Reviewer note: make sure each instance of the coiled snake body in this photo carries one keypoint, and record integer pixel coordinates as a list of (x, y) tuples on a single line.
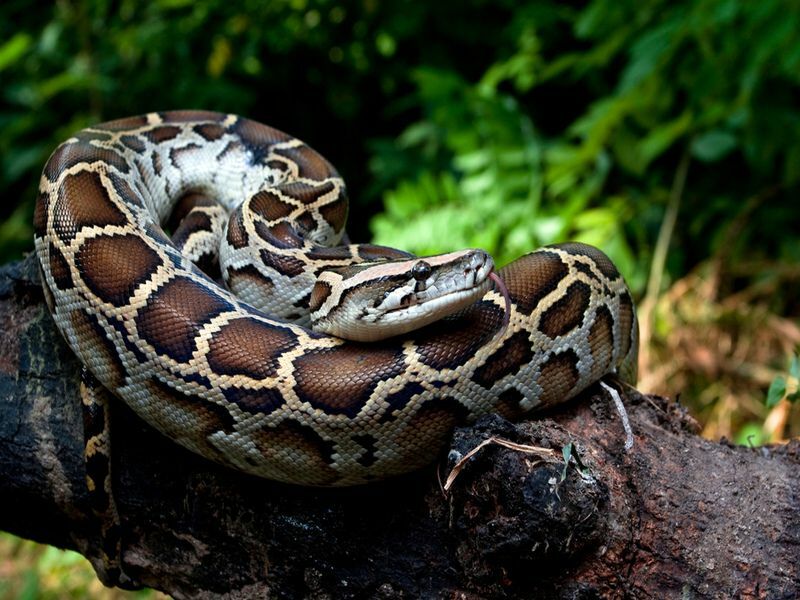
[(262, 394)]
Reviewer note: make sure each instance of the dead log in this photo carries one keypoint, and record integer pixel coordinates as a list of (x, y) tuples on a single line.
[(676, 516)]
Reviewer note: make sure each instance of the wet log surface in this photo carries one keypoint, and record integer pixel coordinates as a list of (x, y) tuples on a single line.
[(676, 516)]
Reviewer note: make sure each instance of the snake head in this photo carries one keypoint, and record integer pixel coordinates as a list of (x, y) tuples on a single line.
[(373, 301)]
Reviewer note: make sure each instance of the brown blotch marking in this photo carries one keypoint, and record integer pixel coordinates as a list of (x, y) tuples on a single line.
[(602, 261), (187, 116), (601, 340), (59, 268), (566, 313), (252, 274), (162, 133), (428, 431), (209, 131), (134, 142), (184, 206), (230, 147), (264, 232), (277, 165), (341, 380), (627, 318), (201, 418), (281, 235), (114, 266), (558, 376), (304, 192), (97, 470), (156, 233), (155, 158), (69, 154), (310, 164), (125, 191), (263, 401), (142, 171), (530, 278), (123, 335), (237, 235), (176, 155), (369, 443), (335, 212), (126, 123), (515, 352), (373, 253), (324, 253), (285, 265), (319, 293), (83, 201), (451, 342), (249, 347), (306, 223), (175, 314), (107, 364), (93, 135), (586, 270), (270, 205), (40, 214), (302, 303), (310, 458), (509, 404), (400, 399), (93, 409), (257, 136), (194, 222)]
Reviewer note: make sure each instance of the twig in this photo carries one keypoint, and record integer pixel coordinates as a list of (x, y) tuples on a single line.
[(648, 304), (626, 424), (500, 442)]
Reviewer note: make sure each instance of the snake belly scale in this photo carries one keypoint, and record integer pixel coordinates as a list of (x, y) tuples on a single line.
[(260, 393)]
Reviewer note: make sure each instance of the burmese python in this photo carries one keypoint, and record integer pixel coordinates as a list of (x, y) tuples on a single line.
[(250, 389)]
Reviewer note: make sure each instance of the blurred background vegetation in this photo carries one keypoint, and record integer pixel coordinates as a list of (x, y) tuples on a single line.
[(665, 132)]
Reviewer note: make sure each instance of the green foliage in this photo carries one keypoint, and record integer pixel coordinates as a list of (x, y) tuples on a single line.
[(522, 124), (323, 71), (751, 434), (578, 135), (37, 572), (783, 387), (502, 125)]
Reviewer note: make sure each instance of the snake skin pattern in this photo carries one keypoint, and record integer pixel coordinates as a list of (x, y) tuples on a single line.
[(259, 393)]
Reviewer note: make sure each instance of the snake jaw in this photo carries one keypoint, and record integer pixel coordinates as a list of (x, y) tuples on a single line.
[(374, 302)]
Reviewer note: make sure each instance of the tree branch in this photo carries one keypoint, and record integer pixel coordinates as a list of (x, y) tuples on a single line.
[(677, 515)]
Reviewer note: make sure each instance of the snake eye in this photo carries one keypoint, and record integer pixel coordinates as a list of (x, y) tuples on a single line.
[(421, 271)]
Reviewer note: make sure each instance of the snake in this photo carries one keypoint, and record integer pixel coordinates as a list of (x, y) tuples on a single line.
[(246, 363)]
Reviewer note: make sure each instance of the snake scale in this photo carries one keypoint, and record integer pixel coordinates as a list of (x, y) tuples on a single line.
[(253, 387)]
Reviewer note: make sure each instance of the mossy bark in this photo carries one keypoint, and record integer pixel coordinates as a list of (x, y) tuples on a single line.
[(676, 516)]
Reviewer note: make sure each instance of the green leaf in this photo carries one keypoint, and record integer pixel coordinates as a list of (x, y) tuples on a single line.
[(751, 434), (662, 137), (713, 145), (777, 390), (13, 49), (566, 452), (794, 367)]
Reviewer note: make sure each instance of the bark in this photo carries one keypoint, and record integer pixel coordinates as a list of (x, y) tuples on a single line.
[(675, 516)]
